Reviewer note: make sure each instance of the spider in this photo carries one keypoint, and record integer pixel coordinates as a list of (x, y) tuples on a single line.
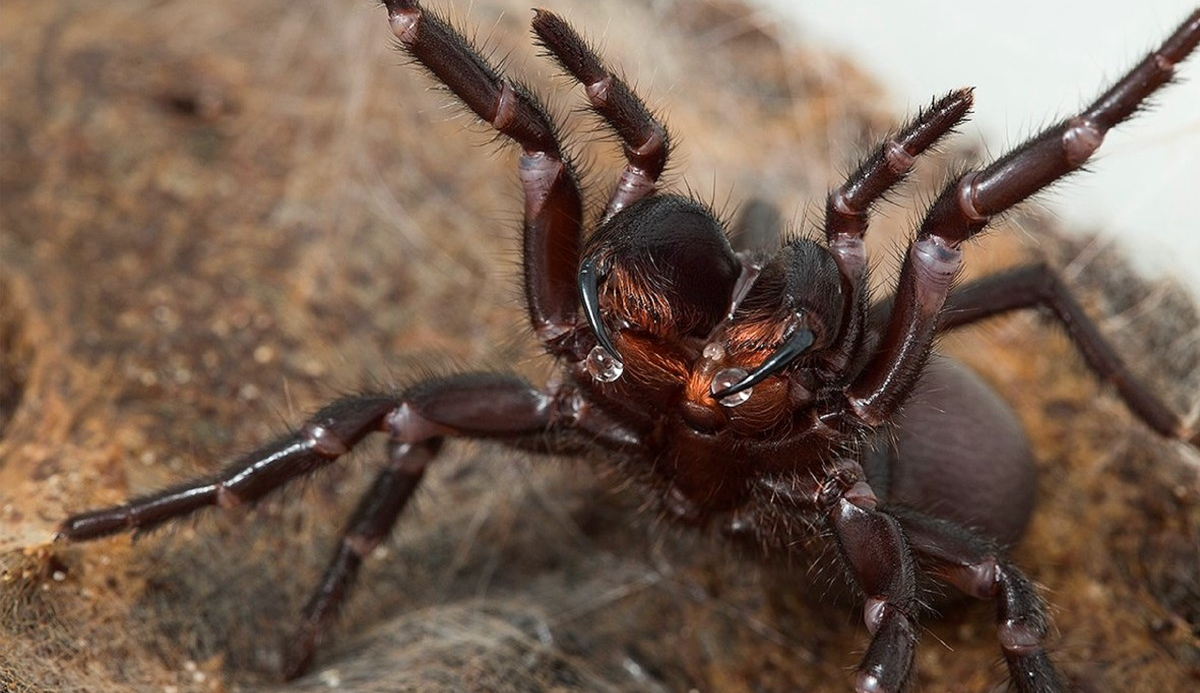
[(745, 383)]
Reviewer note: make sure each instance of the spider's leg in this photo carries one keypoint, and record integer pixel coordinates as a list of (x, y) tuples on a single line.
[(873, 545), (880, 560), (848, 209), (371, 523), (553, 205), (1038, 285), (977, 568), (647, 143), (967, 205), (328, 435), (477, 405), (472, 405)]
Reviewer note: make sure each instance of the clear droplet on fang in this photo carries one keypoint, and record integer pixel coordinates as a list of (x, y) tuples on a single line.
[(728, 378), (603, 366)]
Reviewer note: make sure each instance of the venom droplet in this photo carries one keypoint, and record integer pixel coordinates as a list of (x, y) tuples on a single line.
[(728, 378), (603, 366)]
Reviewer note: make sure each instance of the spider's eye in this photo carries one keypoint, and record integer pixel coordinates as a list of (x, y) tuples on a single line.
[(663, 265)]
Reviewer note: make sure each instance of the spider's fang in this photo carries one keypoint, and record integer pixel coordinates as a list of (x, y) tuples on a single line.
[(797, 344), (589, 295)]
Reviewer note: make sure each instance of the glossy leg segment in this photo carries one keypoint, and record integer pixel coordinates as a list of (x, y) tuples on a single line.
[(553, 205), (977, 568), (848, 209), (1039, 286), (325, 437), (646, 141), (880, 560), (967, 205), (471, 405)]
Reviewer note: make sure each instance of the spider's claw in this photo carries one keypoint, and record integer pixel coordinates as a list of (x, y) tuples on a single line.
[(589, 294)]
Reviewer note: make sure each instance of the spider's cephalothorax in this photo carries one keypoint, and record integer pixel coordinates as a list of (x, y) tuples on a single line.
[(747, 384)]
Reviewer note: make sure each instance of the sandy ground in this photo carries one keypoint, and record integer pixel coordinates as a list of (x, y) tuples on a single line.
[(216, 216)]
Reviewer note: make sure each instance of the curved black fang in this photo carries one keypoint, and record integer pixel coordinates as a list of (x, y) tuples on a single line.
[(589, 294), (797, 344)]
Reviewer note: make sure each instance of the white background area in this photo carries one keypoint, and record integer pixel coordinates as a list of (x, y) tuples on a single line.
[(1033, 62)]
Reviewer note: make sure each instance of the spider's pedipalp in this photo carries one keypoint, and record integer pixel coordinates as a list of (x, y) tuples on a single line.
[(847, 209)]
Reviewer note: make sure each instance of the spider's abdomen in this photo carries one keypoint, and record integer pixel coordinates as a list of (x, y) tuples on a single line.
[(959, 453)]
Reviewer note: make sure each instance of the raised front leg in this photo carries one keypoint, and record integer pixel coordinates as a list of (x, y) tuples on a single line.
[(967, 205), (848, 208), (647, 143), (553, 206)]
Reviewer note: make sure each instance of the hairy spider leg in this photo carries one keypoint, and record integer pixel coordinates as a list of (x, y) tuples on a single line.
[(1038, 285), (874, 547), (978, 568), (553, 204), (488, 406), (879, 558), (372, 521), (474, 405), (326, 436), (646, 142), (848, 208), (971, 201)]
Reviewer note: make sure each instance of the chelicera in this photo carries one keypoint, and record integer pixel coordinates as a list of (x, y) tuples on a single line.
[(745, 382)]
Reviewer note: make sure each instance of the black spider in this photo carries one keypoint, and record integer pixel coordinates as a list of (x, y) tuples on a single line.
[(745, 386)]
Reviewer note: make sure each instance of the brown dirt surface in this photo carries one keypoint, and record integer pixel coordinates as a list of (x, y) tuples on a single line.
[(216, 216)]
